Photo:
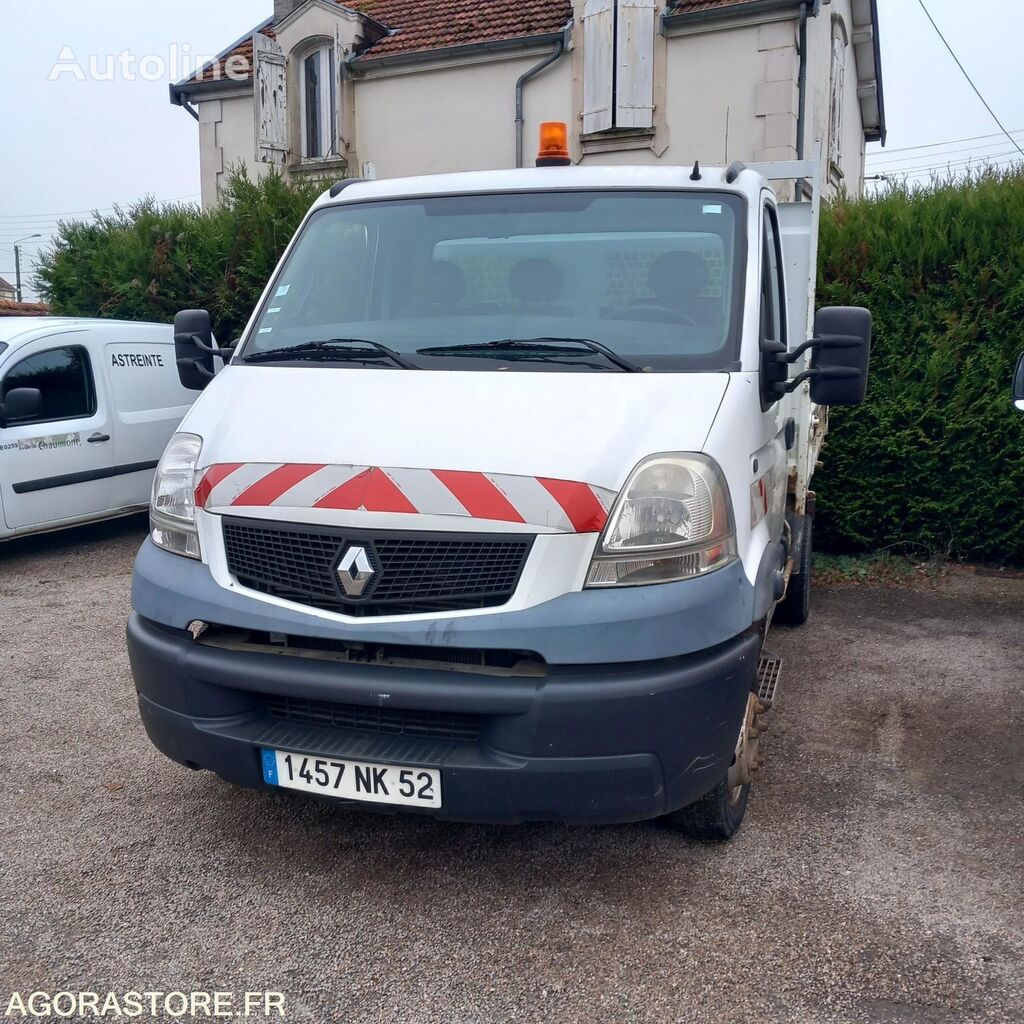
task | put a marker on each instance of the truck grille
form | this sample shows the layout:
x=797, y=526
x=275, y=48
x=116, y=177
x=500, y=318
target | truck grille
x=412, y=572
x=437, y=725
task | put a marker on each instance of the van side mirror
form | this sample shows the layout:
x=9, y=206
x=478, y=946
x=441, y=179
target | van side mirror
x=842, y=360
x=20, y=404
x=1018, y=384
x=194, y=348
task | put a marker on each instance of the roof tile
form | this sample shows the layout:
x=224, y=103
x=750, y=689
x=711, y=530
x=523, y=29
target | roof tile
x=8, y=308
x=418, y=25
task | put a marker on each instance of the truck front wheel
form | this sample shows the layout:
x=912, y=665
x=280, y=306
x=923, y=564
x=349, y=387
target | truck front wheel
x=719, y=814
x=795, y=607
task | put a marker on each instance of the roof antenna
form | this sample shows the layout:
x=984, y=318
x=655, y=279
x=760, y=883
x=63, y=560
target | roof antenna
x=696, y=176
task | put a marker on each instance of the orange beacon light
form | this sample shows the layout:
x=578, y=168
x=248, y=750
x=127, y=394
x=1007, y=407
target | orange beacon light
x=554, y=145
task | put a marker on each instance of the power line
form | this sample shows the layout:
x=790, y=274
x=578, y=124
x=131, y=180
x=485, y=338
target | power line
x=970, y=81
x=939, y=155
x=949, y=142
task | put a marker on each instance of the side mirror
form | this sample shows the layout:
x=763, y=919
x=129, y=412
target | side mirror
x=20, y=404
x=842, y=360
x=1018, y=385
x=194, y=348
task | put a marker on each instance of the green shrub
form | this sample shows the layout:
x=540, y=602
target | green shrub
x=934, y=461
x=148, y=261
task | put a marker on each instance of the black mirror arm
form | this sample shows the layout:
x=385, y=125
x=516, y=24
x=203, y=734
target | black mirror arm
x=827, y=373
x=224, y=351
x=197, y=365
x=777, y=350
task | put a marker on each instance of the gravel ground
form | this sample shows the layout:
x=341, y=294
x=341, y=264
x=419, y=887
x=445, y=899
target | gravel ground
x=879, y=877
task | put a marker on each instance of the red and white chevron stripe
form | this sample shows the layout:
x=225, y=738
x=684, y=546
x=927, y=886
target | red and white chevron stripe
x=555, y=504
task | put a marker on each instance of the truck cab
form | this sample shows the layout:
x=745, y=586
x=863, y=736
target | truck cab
x=490, y=513
x=86, y=410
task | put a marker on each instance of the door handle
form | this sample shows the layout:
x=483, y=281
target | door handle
x=99, y=438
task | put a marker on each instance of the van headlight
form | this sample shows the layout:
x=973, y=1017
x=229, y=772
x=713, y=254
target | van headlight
x=672, y=521
x=172, y=513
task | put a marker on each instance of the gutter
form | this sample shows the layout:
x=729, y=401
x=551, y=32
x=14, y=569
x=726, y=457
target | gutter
x=560, y=47
x=879, y=134
x=675, y=18
x=445, y=53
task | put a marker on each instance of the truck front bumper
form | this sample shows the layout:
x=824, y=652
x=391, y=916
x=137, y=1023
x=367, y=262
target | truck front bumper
x=582, y=743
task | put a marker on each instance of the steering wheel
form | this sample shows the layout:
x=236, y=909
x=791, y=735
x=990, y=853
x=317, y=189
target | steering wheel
x=651, y=313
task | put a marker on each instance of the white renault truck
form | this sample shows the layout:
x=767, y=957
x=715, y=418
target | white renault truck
x=490, y=513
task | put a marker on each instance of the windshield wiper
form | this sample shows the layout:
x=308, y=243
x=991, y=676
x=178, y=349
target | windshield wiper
x=331, y=350
x=523, y=345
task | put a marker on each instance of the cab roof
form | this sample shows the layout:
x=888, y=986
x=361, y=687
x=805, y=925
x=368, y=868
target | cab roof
x=547, y=179
x=15, y=329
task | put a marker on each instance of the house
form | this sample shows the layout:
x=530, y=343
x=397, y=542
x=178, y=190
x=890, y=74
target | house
x=384, y=88
x=7, y=291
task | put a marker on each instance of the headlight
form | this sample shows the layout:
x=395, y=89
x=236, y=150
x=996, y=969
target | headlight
x=172, y=514
x=673, y=520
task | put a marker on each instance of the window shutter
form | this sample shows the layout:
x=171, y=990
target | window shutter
x=598, y=61
x=634, y=64
x=270, y=84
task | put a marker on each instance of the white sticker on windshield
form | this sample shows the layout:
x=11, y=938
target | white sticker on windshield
x=266, y=330
x=283, y=290
x=712, y=208
x=275, y=309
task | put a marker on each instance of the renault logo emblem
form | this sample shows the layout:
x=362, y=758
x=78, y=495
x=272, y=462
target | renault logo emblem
x=355, y=571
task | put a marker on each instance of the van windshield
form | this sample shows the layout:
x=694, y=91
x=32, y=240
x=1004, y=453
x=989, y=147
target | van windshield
x=654, y=277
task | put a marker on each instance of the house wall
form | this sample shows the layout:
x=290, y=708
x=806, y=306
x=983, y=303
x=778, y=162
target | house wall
x=731, y=93
x=725, y=90
x=227, y=129
x=456, y=118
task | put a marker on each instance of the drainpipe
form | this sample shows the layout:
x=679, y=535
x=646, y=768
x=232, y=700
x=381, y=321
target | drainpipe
x=802, y=110
x=521, y=86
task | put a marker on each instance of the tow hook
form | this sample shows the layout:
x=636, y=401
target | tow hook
x=748, y=760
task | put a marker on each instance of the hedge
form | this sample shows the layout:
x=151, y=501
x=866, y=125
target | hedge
x=933, y=463
x=147, y=261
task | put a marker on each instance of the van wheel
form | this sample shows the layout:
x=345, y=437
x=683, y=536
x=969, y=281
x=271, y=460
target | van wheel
x=795, y=607
x=719, y=814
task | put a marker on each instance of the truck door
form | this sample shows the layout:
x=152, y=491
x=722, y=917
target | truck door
x=771, y=475
x=147, y=404
x=58, y=464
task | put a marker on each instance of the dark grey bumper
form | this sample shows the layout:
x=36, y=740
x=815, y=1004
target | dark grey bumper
x=585, y=743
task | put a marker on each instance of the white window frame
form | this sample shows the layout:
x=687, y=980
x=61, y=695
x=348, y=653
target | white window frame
x=327, y=100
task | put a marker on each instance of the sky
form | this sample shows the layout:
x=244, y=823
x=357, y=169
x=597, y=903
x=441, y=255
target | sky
x=71, y=146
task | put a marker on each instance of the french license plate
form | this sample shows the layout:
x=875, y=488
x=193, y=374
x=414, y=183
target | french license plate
x=353, y=780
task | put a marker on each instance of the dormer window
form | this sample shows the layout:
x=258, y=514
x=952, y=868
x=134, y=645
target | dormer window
x=319, y=104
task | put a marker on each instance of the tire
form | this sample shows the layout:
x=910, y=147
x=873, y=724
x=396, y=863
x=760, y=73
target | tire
x=795, y=608
x=716, y=816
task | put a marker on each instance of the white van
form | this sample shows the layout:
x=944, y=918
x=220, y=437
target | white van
x=490, y=513
x=86, y=409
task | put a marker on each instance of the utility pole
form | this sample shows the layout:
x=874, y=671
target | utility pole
x=17, y=263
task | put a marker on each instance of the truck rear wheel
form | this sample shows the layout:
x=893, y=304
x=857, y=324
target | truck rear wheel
x=795, y=607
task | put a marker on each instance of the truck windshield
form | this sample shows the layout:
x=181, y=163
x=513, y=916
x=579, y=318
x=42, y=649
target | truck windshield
x=654, y=277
